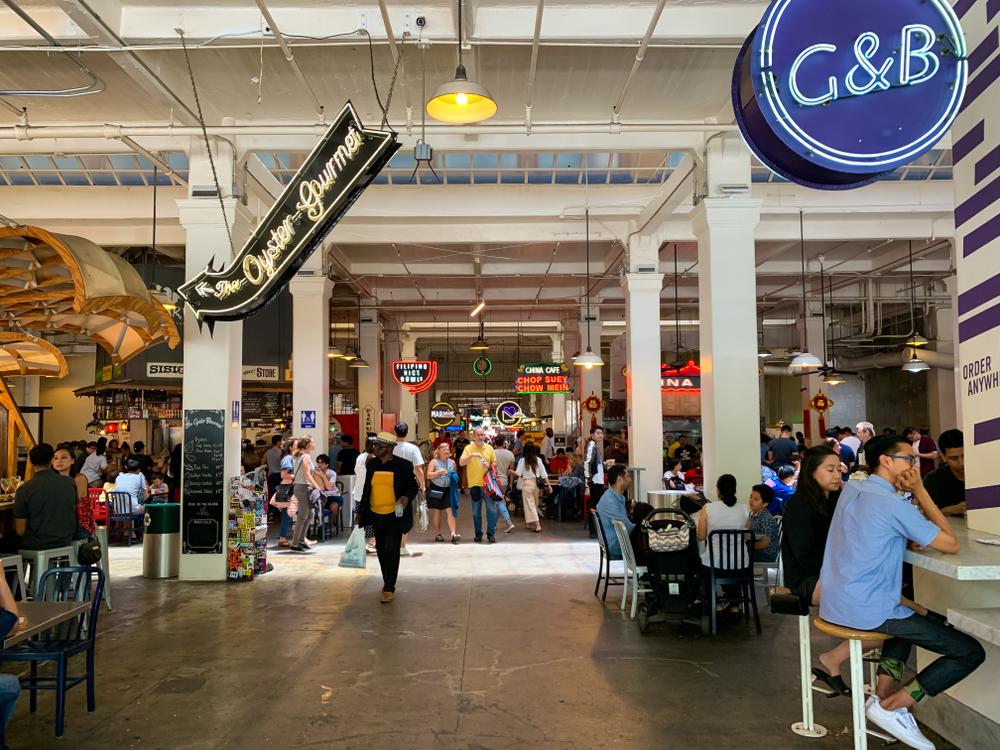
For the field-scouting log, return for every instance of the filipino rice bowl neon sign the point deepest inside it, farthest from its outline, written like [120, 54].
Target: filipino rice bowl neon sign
[834, 94]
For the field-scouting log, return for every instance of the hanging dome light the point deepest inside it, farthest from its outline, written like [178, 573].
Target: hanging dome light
[358, 363]
[834, 378]
[479, 345]
[349, 355]
[461, 101]
[804, 362]
[916, 340]
[588, 360]
[915, 365]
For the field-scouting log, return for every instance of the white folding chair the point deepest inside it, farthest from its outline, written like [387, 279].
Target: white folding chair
[632, 571]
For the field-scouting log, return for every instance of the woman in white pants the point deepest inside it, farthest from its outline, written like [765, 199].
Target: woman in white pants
[529, 470]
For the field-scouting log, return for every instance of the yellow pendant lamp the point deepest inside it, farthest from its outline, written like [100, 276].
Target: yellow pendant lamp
[461, 101]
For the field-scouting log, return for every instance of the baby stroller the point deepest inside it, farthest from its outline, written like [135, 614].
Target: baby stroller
[674, 571]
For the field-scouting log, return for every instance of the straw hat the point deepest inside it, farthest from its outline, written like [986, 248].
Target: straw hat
[385, 437]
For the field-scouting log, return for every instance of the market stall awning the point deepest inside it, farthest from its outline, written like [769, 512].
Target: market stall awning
[52, 283]
[24, 354]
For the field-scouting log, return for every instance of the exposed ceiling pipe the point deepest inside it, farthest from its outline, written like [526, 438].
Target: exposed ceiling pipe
[639, 55]
[95, 86]
[116, 132]
[535, 40]
[940, 360]
[397, 53]
[176, 178]
[287, 51]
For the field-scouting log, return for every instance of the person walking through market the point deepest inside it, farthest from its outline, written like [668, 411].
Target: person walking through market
[477, 459]
[593, 464]
[439, 472]
[505, 467]
[303, 483]
[409, 451]
[531, 473]
[360, 470]
[387, 504]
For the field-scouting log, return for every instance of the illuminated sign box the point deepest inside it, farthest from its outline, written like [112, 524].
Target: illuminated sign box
[543, 377]
[416, 377]
[685, 379]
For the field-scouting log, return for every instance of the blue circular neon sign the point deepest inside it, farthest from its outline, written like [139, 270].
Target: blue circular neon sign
[832, 95]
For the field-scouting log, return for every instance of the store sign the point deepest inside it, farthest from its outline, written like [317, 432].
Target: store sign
[509, 414]
[415, 377]
[443, 414]
[685, 379]
[175, 370]
[832, 95]
[332, 178]
[543, 377]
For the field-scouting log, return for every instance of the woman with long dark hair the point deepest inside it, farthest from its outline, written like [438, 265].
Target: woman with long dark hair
[530, 470]
[725, 513]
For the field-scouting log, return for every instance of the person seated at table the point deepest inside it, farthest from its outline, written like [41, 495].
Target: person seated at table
[613, 507]
[327, 479]
[132, 481]
[782, 489]
[10, 686]
[559, 462]
[158, 488]
[725, 513]
[62, 463]
[763, 525]
[696, 474]
[45, 505]
[863, 574]
[946, 485]
[673, 477]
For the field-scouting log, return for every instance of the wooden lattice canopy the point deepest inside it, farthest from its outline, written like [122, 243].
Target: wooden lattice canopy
[53, 283]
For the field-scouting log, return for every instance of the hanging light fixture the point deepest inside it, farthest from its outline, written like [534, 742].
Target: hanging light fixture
[461, 101]
[678, 362]
[915, 340]
[804, 362]
[356, 361]
[588, 360]
[480, 345]
[335, 352]
[158, 294]
[762, 351]
[833, 377]
[915, 365]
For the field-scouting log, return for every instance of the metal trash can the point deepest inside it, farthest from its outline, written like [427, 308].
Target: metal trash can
[161, 547]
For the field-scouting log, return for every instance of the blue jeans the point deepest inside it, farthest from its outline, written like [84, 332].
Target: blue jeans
[961, 654]
[286, 521]
[502, 507]
[10, 689]
[477, 512]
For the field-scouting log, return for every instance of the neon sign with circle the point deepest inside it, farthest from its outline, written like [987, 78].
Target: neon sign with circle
[509, 414]
[482, 366]
[834, 95]
[443, 414]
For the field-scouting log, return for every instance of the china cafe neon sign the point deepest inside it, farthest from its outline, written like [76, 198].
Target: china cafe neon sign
[833, 95]
[686, 379]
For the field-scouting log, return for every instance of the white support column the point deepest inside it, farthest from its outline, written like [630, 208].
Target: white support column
[421, 429]
[407, 401]
[213, 362]
[311, 289]
[558, 399]
[727, 291]
[590, 380]
[370, 378]
[642, 357]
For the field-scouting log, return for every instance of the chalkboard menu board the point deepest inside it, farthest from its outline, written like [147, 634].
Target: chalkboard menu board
[266, 406]
[202, 481]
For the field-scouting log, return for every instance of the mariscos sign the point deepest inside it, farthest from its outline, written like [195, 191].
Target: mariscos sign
[333, 176]
[833, 95]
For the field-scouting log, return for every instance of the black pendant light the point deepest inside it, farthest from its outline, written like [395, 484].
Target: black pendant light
[355, 360]
[461, 101]
[588, 360]
[915, 340]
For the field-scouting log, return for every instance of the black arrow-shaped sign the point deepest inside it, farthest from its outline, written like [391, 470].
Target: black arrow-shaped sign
[334, 175]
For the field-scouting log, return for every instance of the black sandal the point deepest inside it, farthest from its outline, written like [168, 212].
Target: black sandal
[834, 682]
[439, 538]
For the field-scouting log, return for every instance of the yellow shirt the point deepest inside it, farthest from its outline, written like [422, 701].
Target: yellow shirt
[474, 470]
[383, 499]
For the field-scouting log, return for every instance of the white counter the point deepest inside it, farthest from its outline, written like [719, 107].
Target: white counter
[982, 623]
[974, 561]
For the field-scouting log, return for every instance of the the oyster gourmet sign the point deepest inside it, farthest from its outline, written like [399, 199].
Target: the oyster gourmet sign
[333, 176]
[833, 95]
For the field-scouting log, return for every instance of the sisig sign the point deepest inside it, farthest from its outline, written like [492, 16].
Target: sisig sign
[832, 95]
[331, 179]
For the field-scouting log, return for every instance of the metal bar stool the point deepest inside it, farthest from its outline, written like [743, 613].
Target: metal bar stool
[855, 637]
[14, 564]
[41, 560]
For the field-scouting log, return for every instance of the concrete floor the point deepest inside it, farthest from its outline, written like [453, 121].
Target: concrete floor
[500, 646]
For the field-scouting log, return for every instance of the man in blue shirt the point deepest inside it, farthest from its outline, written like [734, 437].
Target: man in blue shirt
[862, 578]
[134, 483]
[612, 506]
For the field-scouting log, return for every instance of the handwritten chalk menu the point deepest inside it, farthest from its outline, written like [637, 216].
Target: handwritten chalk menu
[202, 481]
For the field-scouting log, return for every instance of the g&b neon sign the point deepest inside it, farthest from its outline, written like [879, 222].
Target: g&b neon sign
[834, 94]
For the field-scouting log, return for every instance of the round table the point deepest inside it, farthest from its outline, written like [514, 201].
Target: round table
[665, 498]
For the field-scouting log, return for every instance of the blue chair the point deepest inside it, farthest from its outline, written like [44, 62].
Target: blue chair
[604, 566]
[122, 519]
[734, 567]
[58, 644]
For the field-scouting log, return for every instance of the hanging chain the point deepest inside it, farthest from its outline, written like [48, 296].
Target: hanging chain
[392, 86]
[208, 146]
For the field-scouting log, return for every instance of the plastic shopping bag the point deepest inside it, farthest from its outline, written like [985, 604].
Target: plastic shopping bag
[354, 553]
[422, 522]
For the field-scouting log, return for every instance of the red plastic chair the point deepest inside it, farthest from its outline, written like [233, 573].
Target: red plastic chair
[98, 507]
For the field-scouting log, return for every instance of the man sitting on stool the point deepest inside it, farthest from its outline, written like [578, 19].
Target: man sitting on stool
[45, 505]
[862, 577]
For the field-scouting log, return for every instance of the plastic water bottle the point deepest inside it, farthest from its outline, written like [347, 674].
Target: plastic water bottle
[399, 510]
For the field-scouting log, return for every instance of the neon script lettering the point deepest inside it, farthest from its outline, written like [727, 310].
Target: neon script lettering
[918, 63]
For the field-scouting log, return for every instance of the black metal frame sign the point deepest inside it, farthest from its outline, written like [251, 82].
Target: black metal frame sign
[332, 178]
[202, 489]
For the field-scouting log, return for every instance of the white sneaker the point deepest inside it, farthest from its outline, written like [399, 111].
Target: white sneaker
[510, 527]
[899, 723]
[405, 552]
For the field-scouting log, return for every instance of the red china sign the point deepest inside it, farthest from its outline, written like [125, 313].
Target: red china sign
[416, 377]
[685, 379]
[543, 377]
